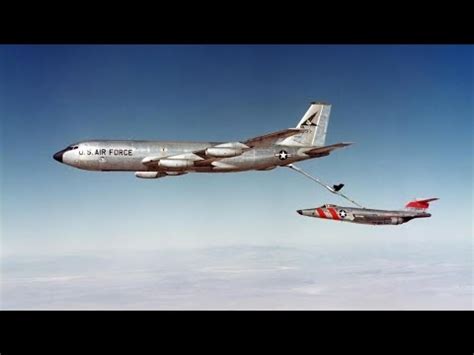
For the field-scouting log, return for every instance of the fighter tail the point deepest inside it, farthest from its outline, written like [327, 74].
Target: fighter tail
[420, 204]
[315, 122]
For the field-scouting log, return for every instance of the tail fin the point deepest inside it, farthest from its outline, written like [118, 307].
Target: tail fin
[420, 204]
[315, 122]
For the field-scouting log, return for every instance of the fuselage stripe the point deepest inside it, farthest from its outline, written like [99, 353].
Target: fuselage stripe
[321, 213]
[333, 213]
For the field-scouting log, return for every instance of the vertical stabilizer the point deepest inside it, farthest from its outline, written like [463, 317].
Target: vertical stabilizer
[420, 204]
[315, 122]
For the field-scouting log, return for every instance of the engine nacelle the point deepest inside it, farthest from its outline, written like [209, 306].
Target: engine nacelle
[175, 163]
[175, 173]
[149, 174]
[219, 152]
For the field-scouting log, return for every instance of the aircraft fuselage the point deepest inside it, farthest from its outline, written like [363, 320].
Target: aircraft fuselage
[154, 159]
[363, 215]
[128, 155]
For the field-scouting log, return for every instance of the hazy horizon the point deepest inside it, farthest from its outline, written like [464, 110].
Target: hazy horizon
[242, 277]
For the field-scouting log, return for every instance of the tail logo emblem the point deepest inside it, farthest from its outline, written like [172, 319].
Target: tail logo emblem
[309, 121]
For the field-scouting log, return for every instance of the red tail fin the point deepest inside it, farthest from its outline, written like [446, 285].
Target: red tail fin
[420, 204]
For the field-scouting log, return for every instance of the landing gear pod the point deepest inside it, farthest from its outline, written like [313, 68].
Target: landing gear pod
[397, 220]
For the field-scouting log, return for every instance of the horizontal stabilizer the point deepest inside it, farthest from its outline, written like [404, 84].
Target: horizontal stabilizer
[321, 151]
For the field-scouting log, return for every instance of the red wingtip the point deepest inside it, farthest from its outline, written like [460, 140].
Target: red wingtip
[421, 204]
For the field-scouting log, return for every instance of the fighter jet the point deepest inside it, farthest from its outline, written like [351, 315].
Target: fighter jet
[413, 209]
[156, 159]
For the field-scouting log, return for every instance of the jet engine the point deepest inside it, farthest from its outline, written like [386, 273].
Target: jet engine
[175, 163]
[157, 174]
[223, 152]
[149, 174]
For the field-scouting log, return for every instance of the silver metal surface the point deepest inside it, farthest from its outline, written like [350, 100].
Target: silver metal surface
[363, 215]
[265, 152]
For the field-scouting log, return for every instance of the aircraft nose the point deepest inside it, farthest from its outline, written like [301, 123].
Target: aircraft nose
[59, 156]
[300, 211]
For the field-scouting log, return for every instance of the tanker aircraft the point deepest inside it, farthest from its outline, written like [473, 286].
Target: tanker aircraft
[156, 159]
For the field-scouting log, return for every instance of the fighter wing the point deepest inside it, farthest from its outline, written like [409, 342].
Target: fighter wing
[326, 150]
[268, 139]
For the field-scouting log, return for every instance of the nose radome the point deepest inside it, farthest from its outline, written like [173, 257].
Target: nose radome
[300, 211]
[59, 156]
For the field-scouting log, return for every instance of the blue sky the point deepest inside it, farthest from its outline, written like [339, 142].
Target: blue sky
[408, 109]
